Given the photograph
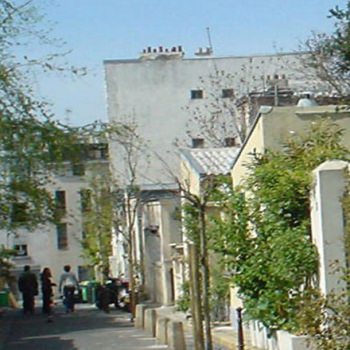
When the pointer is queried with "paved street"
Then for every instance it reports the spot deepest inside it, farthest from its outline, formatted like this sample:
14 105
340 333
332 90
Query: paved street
85 329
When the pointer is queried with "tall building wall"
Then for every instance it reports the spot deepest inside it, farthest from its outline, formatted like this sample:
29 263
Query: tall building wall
156 95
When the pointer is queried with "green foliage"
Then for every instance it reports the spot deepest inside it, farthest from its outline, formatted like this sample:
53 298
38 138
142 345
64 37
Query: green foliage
191 222
183 303
264 235
32 144
98 222
5 263
326 319
219 293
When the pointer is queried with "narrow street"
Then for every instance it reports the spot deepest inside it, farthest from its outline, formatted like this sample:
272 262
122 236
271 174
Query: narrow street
86 329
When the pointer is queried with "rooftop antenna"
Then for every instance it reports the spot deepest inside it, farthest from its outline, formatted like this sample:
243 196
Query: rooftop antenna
212 51
209 41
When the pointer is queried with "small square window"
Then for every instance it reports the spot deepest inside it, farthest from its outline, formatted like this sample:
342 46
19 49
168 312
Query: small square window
230 141
196 94
227 93
197 143
21 249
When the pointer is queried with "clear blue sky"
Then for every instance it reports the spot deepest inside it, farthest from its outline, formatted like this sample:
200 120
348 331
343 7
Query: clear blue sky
96 30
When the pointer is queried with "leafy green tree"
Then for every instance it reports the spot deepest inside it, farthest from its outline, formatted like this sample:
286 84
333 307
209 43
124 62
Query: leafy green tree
32 143
98 221
264 234
195 210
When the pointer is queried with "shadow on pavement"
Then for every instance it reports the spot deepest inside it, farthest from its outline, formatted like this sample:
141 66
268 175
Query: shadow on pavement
34 332
54 343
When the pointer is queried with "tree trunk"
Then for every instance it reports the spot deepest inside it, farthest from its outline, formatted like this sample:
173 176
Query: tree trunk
205 279
196 307
131 276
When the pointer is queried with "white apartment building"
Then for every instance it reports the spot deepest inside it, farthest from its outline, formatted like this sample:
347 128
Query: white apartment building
55 245
161 91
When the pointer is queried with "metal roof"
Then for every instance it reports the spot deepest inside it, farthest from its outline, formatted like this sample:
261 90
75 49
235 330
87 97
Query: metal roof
211 161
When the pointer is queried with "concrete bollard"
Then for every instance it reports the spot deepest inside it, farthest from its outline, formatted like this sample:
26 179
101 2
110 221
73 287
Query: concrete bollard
140 315
150 321
162 329
176 337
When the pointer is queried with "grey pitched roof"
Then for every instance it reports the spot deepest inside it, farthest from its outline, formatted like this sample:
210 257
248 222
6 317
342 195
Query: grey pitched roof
211 161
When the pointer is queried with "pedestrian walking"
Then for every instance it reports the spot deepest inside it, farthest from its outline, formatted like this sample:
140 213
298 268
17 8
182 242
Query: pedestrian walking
47 292
69 283
28 286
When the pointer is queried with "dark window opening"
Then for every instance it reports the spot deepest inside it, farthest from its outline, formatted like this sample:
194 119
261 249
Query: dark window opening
230 141
196 94
78 169
97 151
197 143
19 212
62 236
60 200
21 249
227 93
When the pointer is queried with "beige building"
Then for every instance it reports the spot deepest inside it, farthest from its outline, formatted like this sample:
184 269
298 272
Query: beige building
274 125
197 166
55 245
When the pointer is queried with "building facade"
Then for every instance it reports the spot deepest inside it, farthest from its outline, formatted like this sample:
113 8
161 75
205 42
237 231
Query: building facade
170 97
55 245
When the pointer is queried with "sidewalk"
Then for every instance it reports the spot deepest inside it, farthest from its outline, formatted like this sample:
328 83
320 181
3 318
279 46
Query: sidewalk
86 329
224 337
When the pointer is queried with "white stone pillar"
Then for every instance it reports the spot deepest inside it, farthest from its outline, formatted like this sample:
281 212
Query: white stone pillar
327 222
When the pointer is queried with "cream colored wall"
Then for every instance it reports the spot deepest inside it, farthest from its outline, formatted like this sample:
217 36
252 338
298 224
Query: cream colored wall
283 122
328 224
273 128
254 144
189 179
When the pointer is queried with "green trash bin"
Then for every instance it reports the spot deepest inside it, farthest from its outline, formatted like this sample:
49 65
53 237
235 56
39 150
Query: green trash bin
89 291
93 286
84 287
4 298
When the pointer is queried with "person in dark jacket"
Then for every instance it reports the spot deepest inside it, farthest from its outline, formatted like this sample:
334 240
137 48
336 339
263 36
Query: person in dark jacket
47 292
28 286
